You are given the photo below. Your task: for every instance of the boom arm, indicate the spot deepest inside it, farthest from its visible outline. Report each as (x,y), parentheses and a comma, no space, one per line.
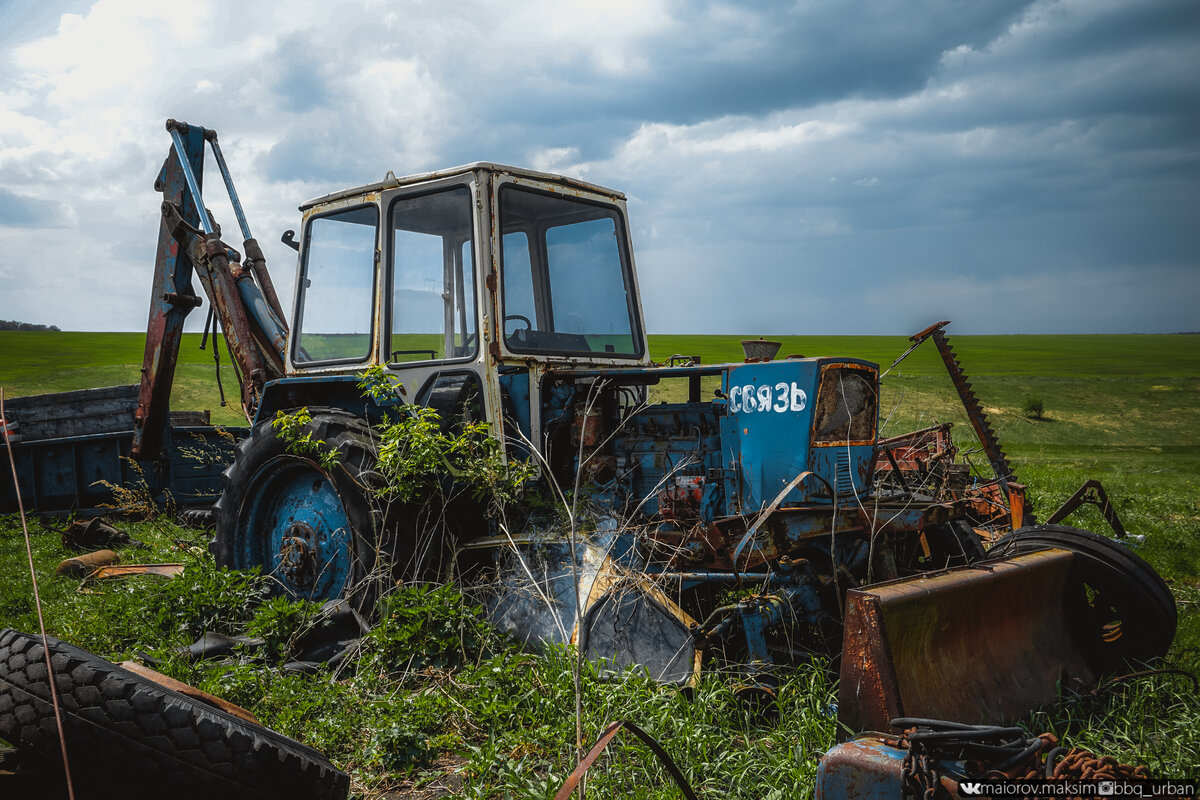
(242,296)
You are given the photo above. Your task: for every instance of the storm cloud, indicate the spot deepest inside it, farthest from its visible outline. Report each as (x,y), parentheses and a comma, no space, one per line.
(802,167)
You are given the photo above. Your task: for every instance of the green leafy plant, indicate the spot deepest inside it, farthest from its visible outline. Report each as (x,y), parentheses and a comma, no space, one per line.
(379,386)
(423,628)
(1033,407)
(279,621)
(290,428)
(416,457)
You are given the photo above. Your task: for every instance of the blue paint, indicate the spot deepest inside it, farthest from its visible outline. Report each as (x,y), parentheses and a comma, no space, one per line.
(515,386)
(868,768)
(770,409)
(862,769)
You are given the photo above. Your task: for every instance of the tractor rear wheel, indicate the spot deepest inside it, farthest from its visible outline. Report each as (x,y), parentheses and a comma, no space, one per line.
(316,530)
(1127,612)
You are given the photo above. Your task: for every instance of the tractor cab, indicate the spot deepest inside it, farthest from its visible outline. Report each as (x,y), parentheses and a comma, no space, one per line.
(466,285)
(503,295)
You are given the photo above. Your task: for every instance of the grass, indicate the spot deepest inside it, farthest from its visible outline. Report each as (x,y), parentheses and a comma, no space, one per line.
(493,721)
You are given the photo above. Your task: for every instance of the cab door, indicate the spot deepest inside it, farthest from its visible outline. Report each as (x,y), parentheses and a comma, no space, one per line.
(432,331)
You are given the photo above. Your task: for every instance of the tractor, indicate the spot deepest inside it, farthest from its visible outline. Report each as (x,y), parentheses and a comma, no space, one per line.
(747,511)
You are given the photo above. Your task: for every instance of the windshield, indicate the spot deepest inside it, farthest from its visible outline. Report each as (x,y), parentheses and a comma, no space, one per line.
(337,287)
(567,282)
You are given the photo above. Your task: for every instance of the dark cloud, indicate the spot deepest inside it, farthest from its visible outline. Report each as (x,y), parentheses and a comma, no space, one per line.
(752,60)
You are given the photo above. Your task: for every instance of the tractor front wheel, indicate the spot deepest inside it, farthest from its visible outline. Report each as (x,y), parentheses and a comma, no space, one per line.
(314,529)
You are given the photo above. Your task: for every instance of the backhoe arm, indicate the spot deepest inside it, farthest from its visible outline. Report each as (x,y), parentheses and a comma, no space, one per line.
(242,296)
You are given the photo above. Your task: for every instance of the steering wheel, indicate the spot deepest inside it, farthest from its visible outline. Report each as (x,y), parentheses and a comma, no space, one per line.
(520,318)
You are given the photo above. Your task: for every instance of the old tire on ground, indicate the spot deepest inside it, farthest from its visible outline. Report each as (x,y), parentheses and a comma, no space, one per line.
(316,531)
(127,733)
(1128,611)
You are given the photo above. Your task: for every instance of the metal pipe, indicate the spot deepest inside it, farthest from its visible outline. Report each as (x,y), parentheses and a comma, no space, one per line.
(257,263)
(211,136)
(261,316)
(190,179)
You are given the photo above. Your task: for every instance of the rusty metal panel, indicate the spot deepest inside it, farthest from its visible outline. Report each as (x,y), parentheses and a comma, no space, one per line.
(979,644)
(868,694)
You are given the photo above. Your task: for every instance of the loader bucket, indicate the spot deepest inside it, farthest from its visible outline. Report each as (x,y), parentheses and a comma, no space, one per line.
(982,644)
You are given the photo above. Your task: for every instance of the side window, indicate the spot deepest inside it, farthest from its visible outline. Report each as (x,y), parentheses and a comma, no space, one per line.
(433,278)
(567,285)
(589,297)
(337,289)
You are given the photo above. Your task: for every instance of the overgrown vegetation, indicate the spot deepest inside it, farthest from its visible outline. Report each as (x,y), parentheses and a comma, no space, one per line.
(436,698)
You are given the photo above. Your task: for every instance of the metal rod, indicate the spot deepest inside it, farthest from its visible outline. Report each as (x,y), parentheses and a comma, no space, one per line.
(190,179)
(233,197)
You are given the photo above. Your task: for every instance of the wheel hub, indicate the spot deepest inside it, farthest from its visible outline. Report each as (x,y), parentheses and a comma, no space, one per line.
(298,555)
(294,524)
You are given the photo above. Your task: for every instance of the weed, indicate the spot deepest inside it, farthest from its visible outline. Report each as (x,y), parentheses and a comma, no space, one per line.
(423,630)
(279,622)
(290,428)
(134,498)
(415,455)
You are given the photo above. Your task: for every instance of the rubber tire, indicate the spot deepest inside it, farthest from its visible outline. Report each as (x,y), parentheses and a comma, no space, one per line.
(127,733)
(351,437)
(1137,592)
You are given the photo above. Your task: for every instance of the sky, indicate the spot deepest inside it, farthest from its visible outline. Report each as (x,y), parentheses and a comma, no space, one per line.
(839,167)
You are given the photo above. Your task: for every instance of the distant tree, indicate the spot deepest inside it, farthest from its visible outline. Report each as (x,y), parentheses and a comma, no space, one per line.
(13,325)
(1033,407)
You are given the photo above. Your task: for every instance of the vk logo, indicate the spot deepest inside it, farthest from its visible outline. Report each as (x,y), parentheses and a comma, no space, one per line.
(971,788)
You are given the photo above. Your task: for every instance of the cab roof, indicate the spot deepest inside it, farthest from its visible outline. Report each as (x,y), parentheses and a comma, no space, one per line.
(392,182)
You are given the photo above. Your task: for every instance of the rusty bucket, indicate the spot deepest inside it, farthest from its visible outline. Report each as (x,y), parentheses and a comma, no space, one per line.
(980,644)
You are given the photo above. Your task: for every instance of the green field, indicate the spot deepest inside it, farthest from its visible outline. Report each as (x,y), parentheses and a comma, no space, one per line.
(40,362)
(1124,409)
